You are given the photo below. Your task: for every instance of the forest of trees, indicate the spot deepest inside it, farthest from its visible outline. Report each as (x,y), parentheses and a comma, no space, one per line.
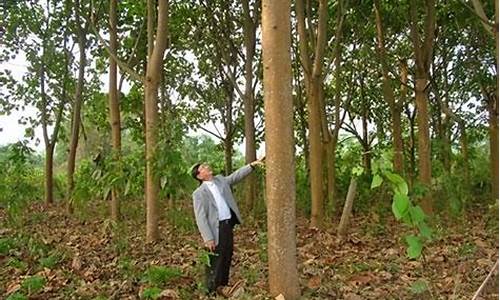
(378,120)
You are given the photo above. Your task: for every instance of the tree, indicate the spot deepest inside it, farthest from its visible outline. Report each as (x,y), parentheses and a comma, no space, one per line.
(280,182)
(156,50)
(114,108)
(250,24)
(423,50)
(313,73)
(81,36)
(388,92)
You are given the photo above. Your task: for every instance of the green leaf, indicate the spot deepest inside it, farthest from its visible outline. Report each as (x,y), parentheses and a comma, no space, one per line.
(419,286)
(425,231)
(399,183)
(417,214)
(414,246)
(357,171)
(400,205)
(377,181)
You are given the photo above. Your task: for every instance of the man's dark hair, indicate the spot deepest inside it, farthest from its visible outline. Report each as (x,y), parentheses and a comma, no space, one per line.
(194,172)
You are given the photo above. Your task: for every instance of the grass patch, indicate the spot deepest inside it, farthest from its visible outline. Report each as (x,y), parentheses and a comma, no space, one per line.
(160,275)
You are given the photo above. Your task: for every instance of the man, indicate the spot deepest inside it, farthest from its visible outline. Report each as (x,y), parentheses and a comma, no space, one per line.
(216,214)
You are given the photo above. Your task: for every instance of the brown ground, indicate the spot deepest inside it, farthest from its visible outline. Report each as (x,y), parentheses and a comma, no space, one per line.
(97,260)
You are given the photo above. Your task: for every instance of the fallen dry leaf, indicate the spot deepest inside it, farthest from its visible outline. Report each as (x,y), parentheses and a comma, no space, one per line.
(314,282)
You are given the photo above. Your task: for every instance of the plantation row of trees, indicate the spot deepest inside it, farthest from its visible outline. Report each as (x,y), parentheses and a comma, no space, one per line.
(416,80)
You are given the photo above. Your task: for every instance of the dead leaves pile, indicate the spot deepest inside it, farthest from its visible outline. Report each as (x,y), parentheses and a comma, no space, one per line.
(99,259)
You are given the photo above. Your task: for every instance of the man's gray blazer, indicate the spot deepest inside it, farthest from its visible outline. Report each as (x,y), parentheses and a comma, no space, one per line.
(205,209)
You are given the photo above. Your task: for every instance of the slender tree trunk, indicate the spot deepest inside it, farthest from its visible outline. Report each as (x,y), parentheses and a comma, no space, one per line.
(346,213)
(313,76)
(77,106)
(411,146)
(464,148)
(397,141)
(423,57)
(114,109)
(276,36)
(365,143)
(332,143)
(153,77)
(493,124)
(228,155)
(249,105)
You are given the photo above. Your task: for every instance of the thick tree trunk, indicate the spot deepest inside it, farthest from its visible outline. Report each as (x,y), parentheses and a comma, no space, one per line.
(77,106)
(249,105)
(346,213)
(114,109)
(276,41)
(153,77)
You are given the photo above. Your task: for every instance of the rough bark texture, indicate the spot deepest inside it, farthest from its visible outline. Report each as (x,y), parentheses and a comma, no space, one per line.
(280,166)
(344,220)
(423,56)
(114,109)
(153,76)
(77,107)
(313,77)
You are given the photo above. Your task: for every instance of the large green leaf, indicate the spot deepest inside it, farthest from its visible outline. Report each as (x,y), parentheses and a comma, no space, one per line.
(400,205)
(377,181)
(417,214)
(414,246)
(399,183)
(425,230)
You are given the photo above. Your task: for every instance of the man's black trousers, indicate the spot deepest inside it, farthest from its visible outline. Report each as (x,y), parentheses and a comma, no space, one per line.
(220,262)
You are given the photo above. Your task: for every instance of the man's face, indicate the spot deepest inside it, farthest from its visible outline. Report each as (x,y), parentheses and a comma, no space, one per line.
(204,172)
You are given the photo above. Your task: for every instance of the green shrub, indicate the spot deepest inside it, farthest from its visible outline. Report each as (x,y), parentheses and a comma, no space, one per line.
(33,284)
(151,293)
(159,275)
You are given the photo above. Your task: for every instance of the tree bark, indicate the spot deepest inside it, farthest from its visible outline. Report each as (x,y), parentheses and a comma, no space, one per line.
(114,108)
(423,56)
(344,220)
(77,106)
(280,166)
(153,76)
(249,28)
(395,107)
(313,77)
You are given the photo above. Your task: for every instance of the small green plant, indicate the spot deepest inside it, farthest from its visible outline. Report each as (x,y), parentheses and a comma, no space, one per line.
(159,275)
(419,287)
(50,261)
(6,244)
(262,240)
(467,250)
(33,284)
(251,275)
(402,207)
(151,293)
(17,296)
(18,264)
(126,266)
(181,220)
